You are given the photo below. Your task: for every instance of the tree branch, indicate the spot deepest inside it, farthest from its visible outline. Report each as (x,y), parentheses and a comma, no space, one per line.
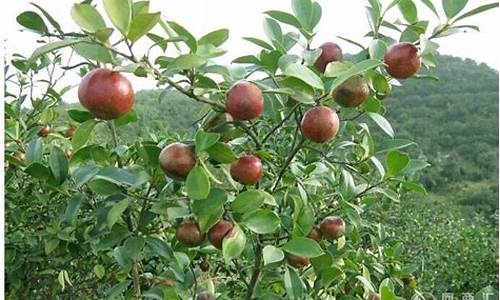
(256,270)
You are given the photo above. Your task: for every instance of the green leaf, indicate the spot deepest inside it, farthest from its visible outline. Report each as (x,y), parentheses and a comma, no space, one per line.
(216,38)
(357,69)
(32,20)
(453,7)
(305,74)
(316,15)
(303,10)
(73,207)
(204,140)
(284,17)
(52,46)
(415,165)
(123,177)
(83,174)
(272,254)
(302,246)
(87,17)
(82,133)
(409,10)
(248,201)
(79,116)
(476,11)
(293,284)
(94,52)
(142,24)
(486,293)
(131,117)
(160,247)
(262,221)
(34,151)
(209,211)
(51,245)
(189,38)
(387,294)
(222,153)
(116,211)
(377,49)
(259,43)
(197,183)
(187,61)
(99,271)
(393,144)
(382,123)
(58,164)
(118,289)
(233,243)
(272,30)
(120,14)
(140,7)
(366,283)
(38,170)
(431,6)
(396,162)
(48,17)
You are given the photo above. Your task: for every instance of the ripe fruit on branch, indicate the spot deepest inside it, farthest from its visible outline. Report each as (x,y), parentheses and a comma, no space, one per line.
(329,52)
(402,60)
(176,160)
(189,234)
(320,124)
(217,233)
(204,266)
(107,94)
(297,261)
(244,101)
(332,227)
(205,296)
(315,234)
(44,131)
(247,170)
(352,92)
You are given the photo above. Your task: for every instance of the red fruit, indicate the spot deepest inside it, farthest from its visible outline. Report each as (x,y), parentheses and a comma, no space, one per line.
(329,52)
(217,233)
(44,131)
(352,92)
(189,234)
(204,266)
(320,124)
(315,234)
(297,261)
(106,94)
(205,296)
(176,160)
(244,101)
(332,227)
(20,156)
(70,132)
(247,170)
(402,60)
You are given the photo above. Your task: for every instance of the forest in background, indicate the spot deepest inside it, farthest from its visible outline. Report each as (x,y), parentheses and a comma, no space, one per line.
(450,235)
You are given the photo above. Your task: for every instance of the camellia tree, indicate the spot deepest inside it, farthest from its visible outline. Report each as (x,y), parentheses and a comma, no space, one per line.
(267,200)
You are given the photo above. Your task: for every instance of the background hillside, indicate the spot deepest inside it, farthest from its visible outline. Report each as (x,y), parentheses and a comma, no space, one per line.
(451,235)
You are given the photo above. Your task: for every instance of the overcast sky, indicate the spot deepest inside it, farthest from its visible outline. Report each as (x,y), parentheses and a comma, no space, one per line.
(244,18)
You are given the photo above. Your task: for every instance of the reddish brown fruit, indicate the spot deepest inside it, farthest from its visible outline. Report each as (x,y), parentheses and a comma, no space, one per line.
(408,280)
(204,266)
(297,261)
(332,227)
(402,60)
(244,101)
(352,92)
(217,233)
(376,297)
(106,94)
(44,131)
(320,124)
(176,160)
(329,52)
(70,132)
(247,170)
(205,296)
(189,234)
(315,234)
(20,156)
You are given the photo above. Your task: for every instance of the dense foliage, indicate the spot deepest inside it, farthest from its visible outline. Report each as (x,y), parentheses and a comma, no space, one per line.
(98,213)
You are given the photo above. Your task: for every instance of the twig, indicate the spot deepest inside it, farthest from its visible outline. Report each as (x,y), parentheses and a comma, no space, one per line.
(256,270)
(287,163)
(250,133)
(277,126)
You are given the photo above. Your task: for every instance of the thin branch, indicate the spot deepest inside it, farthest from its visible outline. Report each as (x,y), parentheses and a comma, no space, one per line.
(277,126)
(256,270)
(250,133)
(287,163)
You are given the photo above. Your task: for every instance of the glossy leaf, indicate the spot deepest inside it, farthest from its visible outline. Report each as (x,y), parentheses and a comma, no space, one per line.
(272,254)
(58,164)
(477,10)
(248,201)
(222,153)
(120,14)
(34,151)
(262,221)
(197,183)
(382,123)
(187,61)
(216,38)
(117,211)
(284,17)
(302,246)
(396,162)
(305,74)
(189,38)
(409,10)
(234,243)
(453,7)
(142,24)
(32,20)
(82,133)
(87,17)
(205,140)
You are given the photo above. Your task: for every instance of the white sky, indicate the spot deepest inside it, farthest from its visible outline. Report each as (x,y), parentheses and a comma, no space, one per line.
(244,18)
